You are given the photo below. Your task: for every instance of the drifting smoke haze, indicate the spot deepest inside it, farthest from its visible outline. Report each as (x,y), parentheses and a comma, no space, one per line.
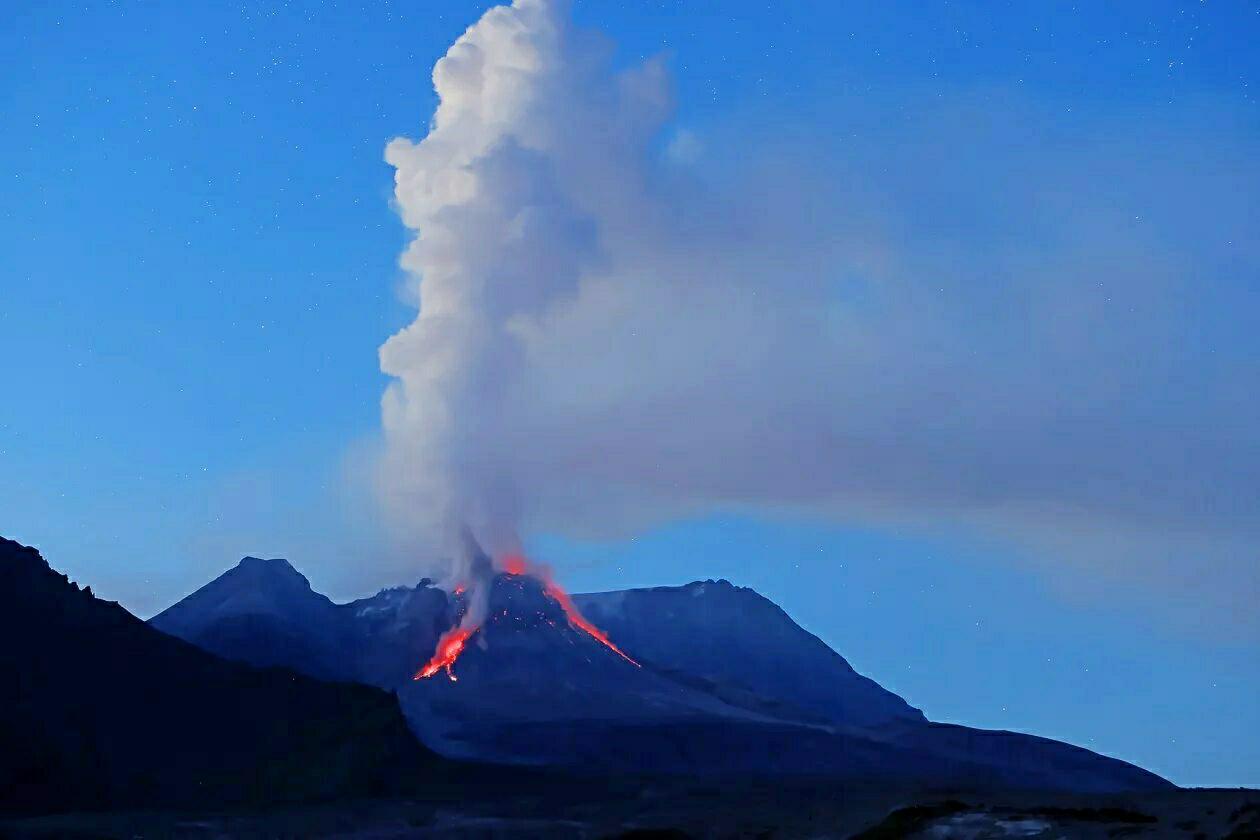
(615,332)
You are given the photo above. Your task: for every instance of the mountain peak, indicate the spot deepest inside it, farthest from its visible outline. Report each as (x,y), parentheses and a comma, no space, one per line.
(733,635)
(711,586)
(255,571)
(252,587)
(274,564)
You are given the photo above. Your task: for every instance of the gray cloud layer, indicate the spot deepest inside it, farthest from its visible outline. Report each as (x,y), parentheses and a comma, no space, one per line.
(970,317)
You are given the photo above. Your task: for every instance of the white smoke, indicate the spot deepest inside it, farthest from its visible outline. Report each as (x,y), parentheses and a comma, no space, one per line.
(532,140)
(612,335)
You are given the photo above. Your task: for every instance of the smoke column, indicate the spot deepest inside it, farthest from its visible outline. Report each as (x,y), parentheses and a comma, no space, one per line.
(623,322)
(496,194)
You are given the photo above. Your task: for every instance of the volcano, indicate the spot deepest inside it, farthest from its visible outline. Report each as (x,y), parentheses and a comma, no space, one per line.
(472,609)
(528,663)
(707,678)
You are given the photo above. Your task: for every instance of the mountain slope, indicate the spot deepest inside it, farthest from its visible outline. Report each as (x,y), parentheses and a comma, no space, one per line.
(263,612)
(728,683)
(528,665)
(732,636)
(99,710)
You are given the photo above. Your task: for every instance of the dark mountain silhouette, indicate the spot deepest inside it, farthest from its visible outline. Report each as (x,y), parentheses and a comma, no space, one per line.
(99,710)
(263,612)
(728,684)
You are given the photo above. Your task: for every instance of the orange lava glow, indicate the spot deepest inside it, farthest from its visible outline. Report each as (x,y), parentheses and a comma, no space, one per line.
(579,621)
(449,647)
(452,642)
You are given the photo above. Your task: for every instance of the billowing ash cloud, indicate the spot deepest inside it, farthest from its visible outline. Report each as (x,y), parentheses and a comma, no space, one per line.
(532,146)
(613,334)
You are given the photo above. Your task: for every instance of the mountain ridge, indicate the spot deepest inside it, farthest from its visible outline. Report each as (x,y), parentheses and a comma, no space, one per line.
(106,711)
(728,683)
(695,642)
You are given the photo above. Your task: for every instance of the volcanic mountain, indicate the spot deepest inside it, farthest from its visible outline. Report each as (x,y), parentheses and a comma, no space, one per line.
(723,681)
(97,709)
(724,635)
(266,608)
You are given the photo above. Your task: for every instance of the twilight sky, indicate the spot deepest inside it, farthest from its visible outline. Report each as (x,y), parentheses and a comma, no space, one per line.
(935,323)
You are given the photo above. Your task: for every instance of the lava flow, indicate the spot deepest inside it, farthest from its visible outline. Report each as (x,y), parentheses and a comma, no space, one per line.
(452,642)
(576,619)
(449,647)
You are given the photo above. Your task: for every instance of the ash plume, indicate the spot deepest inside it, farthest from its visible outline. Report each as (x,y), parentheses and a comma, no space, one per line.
(505,192)
(613,334)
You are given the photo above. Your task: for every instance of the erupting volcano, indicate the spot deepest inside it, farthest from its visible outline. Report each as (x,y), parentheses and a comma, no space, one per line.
(453,641)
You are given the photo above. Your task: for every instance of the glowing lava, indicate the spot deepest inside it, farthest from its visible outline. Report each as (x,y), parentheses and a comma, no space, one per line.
(452,642)
(449,647)
(580,622)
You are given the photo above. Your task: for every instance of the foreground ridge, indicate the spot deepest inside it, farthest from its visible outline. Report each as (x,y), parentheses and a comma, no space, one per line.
(108,712)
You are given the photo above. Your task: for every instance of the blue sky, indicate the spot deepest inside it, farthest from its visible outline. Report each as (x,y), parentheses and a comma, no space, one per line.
(200,263)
